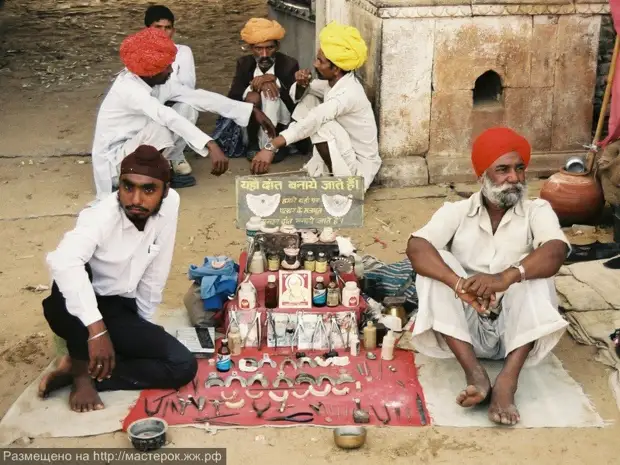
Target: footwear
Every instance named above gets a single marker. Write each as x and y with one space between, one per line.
181 181
181 167
594 251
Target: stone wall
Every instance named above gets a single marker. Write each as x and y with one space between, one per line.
605 51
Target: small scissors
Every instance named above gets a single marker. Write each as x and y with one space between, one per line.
299 417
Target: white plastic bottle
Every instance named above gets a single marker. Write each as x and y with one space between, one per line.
387 348
354 343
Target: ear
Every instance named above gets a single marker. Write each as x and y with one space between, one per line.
166 189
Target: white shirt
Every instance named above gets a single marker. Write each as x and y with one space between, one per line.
347 104
124 261
184 67
464 229
131 104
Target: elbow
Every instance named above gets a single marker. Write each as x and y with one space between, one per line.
413 248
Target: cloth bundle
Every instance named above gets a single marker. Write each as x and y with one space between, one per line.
217 278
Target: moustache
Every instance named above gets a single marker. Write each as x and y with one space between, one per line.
136 207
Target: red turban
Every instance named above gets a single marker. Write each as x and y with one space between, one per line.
148 52
494 143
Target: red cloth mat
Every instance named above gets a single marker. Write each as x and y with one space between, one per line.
338 408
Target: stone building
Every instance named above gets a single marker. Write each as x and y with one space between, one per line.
441 71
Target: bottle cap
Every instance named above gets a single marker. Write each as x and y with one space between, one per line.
271 279
351 285
225 340
370 324
319 279
321 254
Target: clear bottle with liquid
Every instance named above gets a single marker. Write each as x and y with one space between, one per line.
321 263
333 293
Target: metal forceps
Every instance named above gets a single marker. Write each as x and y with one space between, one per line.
255 323
320 326
233 318
333 320
348 322
299 417
300 326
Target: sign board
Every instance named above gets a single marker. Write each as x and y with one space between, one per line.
300 201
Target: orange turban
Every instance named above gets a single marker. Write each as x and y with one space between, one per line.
258 30
148 52
494 143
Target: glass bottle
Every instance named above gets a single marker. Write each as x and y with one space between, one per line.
321 263
319 293
273 262
310 262
223 362
333 293
271 293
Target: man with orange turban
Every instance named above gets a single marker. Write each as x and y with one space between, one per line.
333 111
134 113
485 269
263 78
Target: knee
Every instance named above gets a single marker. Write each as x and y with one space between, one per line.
184 370
254 98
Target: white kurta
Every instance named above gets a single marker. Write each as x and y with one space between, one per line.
184 68
275 110
133 113
342 116
124 261
461 232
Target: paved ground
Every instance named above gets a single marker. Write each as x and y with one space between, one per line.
55 63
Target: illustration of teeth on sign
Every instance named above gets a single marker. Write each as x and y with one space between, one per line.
337 205
263 205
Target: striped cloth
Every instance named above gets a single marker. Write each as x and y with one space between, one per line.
389 280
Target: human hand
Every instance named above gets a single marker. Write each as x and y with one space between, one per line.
303 77
485 285
263 120
257 83
262 161
102 359
219 161
271 90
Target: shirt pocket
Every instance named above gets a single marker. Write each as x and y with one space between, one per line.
152 253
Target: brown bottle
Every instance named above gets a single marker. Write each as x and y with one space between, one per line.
333 293
271 293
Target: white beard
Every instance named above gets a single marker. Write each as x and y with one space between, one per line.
505 196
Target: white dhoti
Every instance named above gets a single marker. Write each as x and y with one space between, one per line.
529 314
343 157
275 110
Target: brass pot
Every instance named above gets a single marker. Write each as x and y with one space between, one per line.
350 437
395 306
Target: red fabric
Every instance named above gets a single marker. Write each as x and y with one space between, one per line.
613 130
373 393
148 52
494 143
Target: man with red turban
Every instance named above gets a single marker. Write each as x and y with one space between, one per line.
134 113
485 269
109 275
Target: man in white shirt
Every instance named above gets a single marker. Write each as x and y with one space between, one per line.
485 270
334 112
184 70
108 275
134 113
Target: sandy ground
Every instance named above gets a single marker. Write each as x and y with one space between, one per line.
55 64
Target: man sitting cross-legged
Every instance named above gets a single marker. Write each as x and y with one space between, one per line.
109 274
485 276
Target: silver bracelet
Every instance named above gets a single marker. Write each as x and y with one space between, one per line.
98 335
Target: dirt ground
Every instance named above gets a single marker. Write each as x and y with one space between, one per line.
56 60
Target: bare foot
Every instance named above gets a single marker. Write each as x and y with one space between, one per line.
56 379
502 410
84 396
477 390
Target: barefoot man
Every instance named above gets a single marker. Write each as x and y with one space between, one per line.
109 273
485 276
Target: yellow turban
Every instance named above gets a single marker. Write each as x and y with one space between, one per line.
343 46
258 30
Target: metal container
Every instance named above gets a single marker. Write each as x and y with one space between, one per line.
148 434
350 437
395 306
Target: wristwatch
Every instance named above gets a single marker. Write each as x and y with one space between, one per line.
269 146
519 267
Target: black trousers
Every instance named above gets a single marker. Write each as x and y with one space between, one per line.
147 357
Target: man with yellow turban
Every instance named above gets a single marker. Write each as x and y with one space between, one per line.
134 113
263 78
485 269
333 111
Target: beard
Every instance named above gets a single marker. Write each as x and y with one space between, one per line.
265 62
144 215
505 195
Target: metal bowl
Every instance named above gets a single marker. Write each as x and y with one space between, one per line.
148 434
575 165
350 437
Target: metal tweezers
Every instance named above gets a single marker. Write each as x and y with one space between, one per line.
318 327
214 420
300 326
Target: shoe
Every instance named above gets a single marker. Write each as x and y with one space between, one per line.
181 181
594 251
181 167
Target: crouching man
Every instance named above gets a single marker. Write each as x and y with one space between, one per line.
109 273
485 267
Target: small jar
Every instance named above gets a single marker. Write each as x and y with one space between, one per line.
351 295
321 263
273 262
257 265
310 262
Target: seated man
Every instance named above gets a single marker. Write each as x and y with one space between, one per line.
183 70
264 79
133 112
485 276
334 112
109 274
